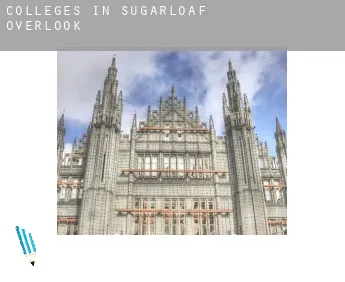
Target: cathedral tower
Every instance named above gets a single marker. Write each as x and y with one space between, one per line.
244 173
101 165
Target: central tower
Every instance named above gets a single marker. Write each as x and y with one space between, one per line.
244 172
101 165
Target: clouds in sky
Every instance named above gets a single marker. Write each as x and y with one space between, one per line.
200 76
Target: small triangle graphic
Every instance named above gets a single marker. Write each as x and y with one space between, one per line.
33 263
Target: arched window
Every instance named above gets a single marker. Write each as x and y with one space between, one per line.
62 193
278 196
268 195
74 193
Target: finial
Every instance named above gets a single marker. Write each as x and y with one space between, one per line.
113 61
230 65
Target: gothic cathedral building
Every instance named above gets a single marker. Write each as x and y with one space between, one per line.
172 175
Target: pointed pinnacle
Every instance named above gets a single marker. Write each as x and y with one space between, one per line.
211 121
134 121
278 126
113 61
172 90
98 97
246 102
224 99
62 120
230 65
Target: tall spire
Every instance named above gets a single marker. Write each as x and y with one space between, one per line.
234 90
249 215
110 87
100 173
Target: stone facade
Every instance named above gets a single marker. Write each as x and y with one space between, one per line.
172 175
